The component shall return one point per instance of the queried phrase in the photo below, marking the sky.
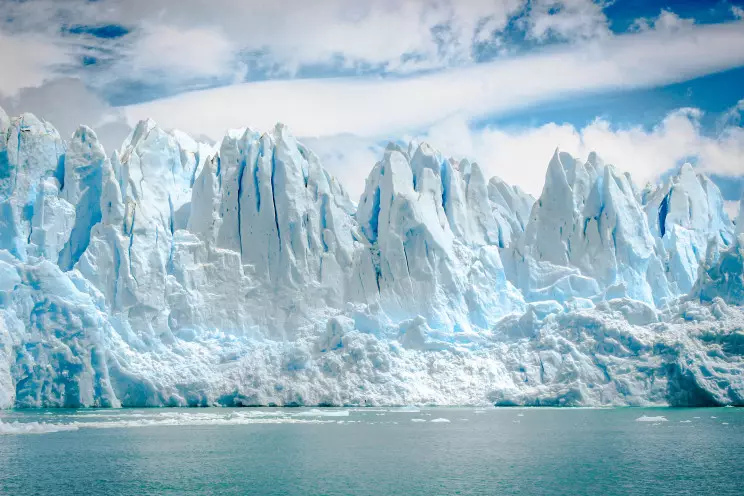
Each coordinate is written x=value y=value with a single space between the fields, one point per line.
x=647 y=85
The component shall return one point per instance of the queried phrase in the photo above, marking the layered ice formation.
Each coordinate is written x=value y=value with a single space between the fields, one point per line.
x=171 y=272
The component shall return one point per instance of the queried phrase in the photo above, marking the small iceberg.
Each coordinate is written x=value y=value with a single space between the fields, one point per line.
x=645 y=418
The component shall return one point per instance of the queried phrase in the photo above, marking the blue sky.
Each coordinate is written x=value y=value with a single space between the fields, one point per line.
x=646 y=84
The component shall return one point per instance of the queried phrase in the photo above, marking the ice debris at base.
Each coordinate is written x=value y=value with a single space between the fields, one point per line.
x=170 y=273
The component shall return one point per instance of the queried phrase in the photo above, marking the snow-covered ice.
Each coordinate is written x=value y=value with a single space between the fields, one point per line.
x=170 y=272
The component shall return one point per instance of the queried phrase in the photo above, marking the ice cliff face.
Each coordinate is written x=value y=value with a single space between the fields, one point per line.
x=176 y=273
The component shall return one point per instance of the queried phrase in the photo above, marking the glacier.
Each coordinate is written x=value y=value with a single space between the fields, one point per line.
x=177 y=273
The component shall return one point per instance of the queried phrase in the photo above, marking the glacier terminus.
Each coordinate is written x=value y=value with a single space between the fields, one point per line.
x=176 y=273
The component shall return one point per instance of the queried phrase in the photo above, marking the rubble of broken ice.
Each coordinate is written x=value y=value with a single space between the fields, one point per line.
x=176 y=273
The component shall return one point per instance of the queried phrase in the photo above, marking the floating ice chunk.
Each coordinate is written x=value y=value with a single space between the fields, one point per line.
x=440 y=421
x=33 y=428
x=659 y=418
x=405 y=409
x=323 y=413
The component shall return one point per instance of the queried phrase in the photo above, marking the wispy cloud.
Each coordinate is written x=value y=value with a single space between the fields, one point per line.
x=374 y=106
x=193 y=39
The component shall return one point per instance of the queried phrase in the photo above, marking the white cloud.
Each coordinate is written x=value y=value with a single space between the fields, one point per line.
x=566 y=19
x=737 y=11
x=376 y=32
x=732 y=117
x=521 y=156
x=191 y=52
x=67 y=103
x=209 y=37
x=374 y=106
x=665 y=21
x=27 y=61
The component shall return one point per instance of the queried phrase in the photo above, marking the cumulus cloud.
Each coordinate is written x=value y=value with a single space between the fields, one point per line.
x=665 y=21
x=566 y=19
x=521 y=155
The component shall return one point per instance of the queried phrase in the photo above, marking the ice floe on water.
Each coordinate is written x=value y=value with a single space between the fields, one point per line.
x=33 y=428
x=172 y=419
x=658 y=418
x=440 y=421
x=405 y=409
x=323 y=413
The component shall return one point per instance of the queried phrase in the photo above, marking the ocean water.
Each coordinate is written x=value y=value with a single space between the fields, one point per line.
x=372 y=451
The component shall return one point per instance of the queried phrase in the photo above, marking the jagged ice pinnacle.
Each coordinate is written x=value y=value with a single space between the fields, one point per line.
x=172 y=272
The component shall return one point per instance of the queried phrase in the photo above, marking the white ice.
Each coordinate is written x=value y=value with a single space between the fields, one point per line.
x=172 y=273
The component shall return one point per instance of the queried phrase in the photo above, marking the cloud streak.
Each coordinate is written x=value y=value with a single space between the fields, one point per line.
x=376 y=106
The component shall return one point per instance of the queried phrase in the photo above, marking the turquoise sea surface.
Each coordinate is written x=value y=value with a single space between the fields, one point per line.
x=372 y=451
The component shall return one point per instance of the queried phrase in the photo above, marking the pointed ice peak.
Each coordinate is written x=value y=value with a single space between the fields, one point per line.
x=394 y=147
x=555 y=177
x=185 y=140
x=740 y=218
x=425 y=157
x=282 y=135
x=4 y=122
x=236 y=133
x=425 y=149
x=85 y=134
x=281 y=130
x=140 y=131
x=594 y=159
x=464 y=167
x=29 y=123
x=621 y=180
x=686 y=172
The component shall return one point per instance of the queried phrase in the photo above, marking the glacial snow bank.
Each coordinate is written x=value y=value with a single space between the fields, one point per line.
x=175 y=274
